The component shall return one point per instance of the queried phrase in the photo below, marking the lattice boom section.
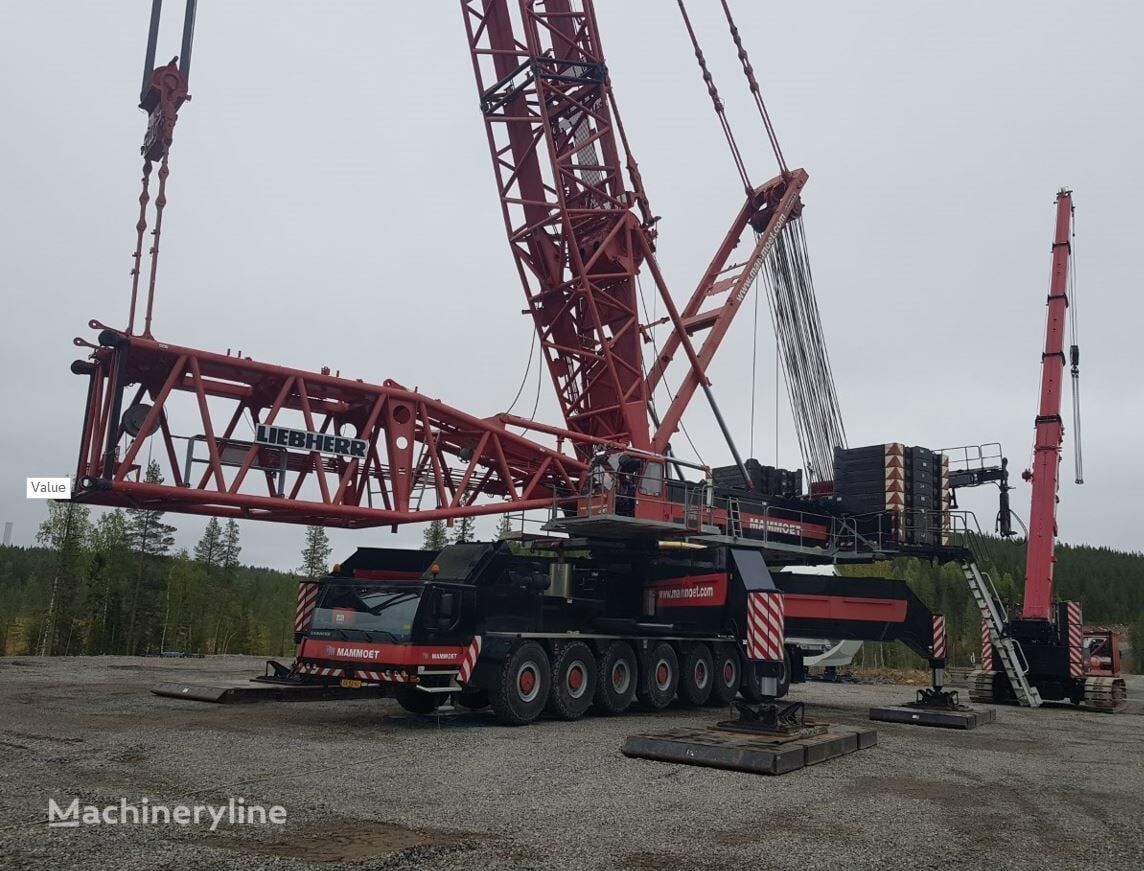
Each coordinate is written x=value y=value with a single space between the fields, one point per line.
x=236 y=437
x=558 y=162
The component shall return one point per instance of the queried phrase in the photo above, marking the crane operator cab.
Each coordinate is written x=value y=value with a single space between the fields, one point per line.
x=622 y=484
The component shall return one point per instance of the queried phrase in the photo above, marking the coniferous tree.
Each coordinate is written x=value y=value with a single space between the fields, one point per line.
x=253 y=610
x=209 y=550
x=316 y=553
x=151 y=538
x=215 y=610
x=504 y=528
x=230 y=549
x=111 y=567
x=1136 y=642
x=464 y=530
x=506 y=532
x=67 y=531
x=225 y=605
x=435 y=536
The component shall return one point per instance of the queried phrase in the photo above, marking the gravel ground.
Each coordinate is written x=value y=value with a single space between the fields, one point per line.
x=366 y=786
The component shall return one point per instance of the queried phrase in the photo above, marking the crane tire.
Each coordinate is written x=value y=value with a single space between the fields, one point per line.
x=660 y=678
x=574 y=675
x=616 y=678
x=522 y=687
x=696 y=675
x=727 y=671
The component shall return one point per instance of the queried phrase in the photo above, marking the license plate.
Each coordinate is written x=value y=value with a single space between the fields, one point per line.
x=351 y=684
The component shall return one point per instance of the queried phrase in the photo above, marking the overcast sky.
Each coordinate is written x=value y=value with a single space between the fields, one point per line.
x=332 y=203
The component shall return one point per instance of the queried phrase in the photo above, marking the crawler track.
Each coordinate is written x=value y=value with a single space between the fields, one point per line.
x=982 y=687
x=1108 y=695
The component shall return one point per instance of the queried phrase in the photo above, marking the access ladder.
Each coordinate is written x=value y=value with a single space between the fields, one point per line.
x=1007 y=649
x=734 y=518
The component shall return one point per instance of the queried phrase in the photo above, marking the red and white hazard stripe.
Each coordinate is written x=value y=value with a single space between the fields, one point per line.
x=470 y=660
x=320 y=671
x=307 y=599
x=371 y=676
x=986 y=648
x=765 y=626
x=938 y=637
x=1076 y=640
x=382 y=676
x=304 y=610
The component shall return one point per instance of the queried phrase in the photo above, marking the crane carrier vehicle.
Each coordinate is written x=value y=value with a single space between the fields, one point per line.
x=563 y=624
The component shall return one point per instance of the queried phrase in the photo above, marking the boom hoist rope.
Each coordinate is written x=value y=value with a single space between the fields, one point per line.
x=789 y=285
x=753 y=83
x=717 y=102
x=1074 y=357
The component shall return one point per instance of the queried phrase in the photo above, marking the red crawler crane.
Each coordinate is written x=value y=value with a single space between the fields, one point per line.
x=1061 y=660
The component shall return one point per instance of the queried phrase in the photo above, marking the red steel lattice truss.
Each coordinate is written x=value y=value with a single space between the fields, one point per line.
x=424 y=460
x=579 y=236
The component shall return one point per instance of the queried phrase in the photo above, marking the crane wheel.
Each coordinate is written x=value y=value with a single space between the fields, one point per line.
x=696 y=675
x=416 y=701
x=727 y=671
x=616 y=678
x=574 y=676
x=660 y=678
x=522 y=688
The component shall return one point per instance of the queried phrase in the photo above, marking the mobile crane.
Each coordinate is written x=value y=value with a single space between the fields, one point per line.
x=647 y=584
x=1059 y=659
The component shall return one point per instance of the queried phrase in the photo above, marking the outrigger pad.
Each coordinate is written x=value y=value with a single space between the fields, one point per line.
x=739 y=751
x=246 y=692
x=963 y=718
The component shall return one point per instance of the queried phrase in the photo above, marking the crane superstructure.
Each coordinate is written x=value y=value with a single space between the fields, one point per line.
x=243 y=438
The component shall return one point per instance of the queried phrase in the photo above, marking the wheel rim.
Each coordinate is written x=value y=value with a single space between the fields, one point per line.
x=662 y=675
x=700 y=675
x=576 y=683
x=528 y=681
x=621 y=677
x=728 y=673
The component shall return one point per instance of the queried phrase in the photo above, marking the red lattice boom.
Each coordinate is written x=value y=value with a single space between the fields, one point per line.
x=196 y=413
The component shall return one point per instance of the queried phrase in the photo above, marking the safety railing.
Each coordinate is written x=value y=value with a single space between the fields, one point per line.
x=696 y=509
x=967 y=533
x=237 y=453
x=969 y=458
